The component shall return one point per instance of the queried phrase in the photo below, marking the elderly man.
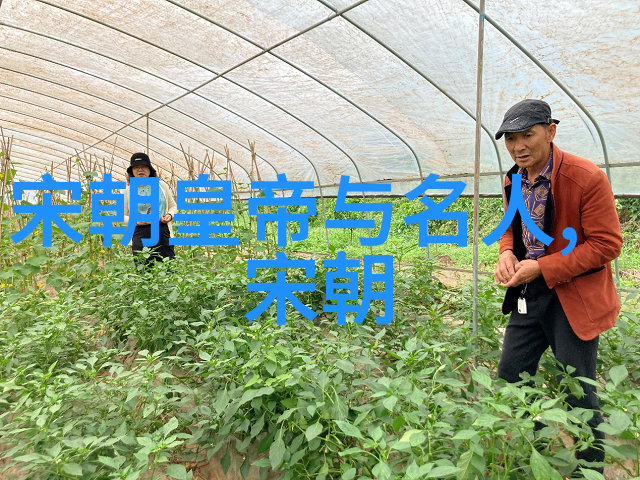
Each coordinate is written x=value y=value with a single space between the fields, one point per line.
x=563 y=302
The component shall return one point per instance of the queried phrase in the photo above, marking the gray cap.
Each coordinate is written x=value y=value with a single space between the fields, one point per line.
x=524 y=115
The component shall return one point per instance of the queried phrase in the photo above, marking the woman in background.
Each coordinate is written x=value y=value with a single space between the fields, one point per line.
x=141 y=167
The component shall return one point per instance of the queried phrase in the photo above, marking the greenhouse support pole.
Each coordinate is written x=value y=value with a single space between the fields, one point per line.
x=147 y=134
x=569 y=94
x=476 y=180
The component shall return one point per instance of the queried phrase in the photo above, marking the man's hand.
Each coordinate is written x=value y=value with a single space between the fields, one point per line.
x=526 y=271
x=167 y=218
x=505 y=269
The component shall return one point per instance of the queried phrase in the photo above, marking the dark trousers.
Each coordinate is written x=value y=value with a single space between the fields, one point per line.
x=160 y=250
x=545 y=324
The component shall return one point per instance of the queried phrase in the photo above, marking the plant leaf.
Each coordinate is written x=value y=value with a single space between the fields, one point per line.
x=465 y=435
x=442 y=471
x=618 y=374
x=541 y=468
x=619 y=420
x=276 y=452
x=381 y=470
x=464 y=464
x=407 y=436
x=225 y=462
x=398 y=423
x=591 y=474
x=346 y=366
x=349 y=474
x=245 y=468
x=555 y=414
x=348 y=429
x=177 y=471
x=170 y=426
x=482 y=378
x=72 y=469
x=390 y=402
x=266 y=442
x=313 y=431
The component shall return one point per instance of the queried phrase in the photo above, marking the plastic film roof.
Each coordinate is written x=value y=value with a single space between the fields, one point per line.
x=381 y=90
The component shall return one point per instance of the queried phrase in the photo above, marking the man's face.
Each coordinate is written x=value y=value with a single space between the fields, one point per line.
x=141 y=171
x=530 y=149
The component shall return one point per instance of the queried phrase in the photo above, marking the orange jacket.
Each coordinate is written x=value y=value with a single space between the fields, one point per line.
x=581 y=198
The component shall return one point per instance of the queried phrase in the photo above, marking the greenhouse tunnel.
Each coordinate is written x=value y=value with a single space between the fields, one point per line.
x=378 y=90
x=382 y=91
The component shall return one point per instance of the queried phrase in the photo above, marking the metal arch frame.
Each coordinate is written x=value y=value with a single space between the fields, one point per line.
x=557 y=81
x=32 y=149
x=32 y=166
x=48 y=121
x=269 y=133
x=341 y=13
x=259 y=127
x=54 y=62
x=57 y=99
x=67 y=87
x=53 y=123
x=134 y=91
x=415 y=156
x=323 y=136
x=304 y=72
x=114 y=103
x=154 y=75
x=52 y=110
x=33 y=156
x=333 y=9
x=22 y=140
x=202 y=143
x=207 y=99
x=134 y=141
x=73 y=130
x=31 y=135
x=216 y=75
x=300 y=121
x=99 y=54
x=140 y=69
x=124 y=136
x=42 y=79
x=131 y=125
x=427 y=78
x=476 y=176
x=64 y=101
x=28 y=175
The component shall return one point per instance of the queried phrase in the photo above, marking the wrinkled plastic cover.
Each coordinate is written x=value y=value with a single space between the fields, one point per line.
x=384 y=91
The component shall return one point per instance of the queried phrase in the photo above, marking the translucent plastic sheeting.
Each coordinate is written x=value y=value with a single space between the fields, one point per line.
x=81 y=76
x=380 y=90
x=625 y=179
x=276 y=123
